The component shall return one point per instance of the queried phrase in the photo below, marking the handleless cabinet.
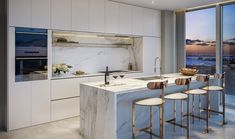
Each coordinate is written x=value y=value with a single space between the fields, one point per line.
x=125 y=19
x=137 y=20
x=111 y=17
x=96 y=15
x=61 y=14
x=80 y=15
x=151 y=50
x=64 y=88
x=152 y=23
x=41 y=102
x=19 y=105
x=41 y=13
x=20 y=13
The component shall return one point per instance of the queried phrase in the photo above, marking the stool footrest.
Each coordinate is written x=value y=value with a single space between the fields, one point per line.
x=172 y=121
x=146 y=130
x=213 y=111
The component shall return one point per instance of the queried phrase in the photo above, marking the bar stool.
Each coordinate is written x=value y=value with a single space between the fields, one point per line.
x=199 y=93
x=182 y=97
x=219 y=89
x=151 y=102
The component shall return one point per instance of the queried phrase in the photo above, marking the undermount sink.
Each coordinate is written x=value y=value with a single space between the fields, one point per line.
x=151 y=78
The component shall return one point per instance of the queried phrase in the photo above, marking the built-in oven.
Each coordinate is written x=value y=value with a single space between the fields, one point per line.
x=30 y=54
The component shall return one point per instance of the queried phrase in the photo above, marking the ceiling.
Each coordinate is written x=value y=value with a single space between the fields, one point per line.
x=169 y=4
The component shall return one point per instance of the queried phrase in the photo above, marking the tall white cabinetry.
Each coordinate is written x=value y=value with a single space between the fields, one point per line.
x=61 y=14
x=151 y=50
x=137 y=21
x=41 y=17
x=111 y=17
x=96 y=15
x=20 y=13
x=125 y=19
x=80 y=15
x=28 y=102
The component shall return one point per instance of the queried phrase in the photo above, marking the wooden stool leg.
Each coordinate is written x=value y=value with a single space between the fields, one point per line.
x=193 y=109
x=150 y=120
x=133 y=121
x=188 y=119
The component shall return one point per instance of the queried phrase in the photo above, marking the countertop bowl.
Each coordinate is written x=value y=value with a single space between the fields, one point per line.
x=188 y=71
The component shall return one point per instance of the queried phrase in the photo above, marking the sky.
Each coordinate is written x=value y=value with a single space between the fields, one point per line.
x=201 y=25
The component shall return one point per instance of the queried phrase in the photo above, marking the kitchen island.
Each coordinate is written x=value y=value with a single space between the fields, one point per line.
x=106 y=109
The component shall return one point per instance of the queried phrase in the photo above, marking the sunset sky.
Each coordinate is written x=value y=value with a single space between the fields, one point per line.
x=201 y=24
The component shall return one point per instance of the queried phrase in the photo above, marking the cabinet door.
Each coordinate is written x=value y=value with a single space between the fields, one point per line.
x=80 y=16
x=65 y=108
x=20 y=13
x=137 y=21
x=41 y=13
x=19 y=105
x=152 y=22
x=111 y=17
x=151 y=50
x=125 y=19
x=64 y=88
x=61 y=14
x=96 y=16
x=79 y=81
x=41 y=103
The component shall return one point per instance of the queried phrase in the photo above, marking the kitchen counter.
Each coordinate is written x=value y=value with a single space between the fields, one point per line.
x=106 y=109
x=69 y=75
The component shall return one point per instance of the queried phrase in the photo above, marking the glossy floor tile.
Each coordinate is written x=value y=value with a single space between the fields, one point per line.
x=69 y=129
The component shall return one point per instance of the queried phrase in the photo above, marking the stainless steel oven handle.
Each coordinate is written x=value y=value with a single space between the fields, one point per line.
x=29 y=58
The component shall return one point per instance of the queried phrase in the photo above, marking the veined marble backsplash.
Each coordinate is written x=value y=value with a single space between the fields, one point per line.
x=95 y=59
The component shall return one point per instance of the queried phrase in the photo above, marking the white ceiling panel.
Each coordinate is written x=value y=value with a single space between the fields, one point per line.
x=169 y=4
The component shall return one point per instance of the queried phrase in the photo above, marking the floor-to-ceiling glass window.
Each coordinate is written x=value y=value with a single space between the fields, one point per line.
x=228 y=13
x=200 y=40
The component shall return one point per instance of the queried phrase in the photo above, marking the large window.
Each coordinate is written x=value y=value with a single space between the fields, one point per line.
x=229 y=47
x=200 y=40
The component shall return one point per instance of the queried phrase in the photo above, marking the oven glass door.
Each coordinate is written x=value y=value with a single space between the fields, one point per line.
x=30 y=54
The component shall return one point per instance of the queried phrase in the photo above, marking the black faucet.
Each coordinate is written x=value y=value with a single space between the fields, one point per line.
x=106 y=76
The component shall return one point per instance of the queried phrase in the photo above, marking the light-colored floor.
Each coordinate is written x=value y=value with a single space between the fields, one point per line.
x=69 y=129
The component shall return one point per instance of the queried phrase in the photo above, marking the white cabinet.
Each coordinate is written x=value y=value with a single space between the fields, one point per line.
x=137 y=21
x=61 y=14
x=20 y=13
x=80 y=15
x=65 y=108
x=19 y=101
x=151 y=50
x=41 y=13
x=41 y=102
x=96 y=16
x=125 y=19
x=152 y=23
x=111 y=17
x=64 y=88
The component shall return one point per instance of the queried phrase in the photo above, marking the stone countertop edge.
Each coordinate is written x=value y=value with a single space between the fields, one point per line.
x=70 y=76
x=131 y=88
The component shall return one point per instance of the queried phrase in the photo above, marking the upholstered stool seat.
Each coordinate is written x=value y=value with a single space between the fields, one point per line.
x=150 y=102
x=213 y=88
x=176 y=96
x=196 y=92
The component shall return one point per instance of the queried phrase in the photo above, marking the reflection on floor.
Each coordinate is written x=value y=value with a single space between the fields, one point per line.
x=69 y=129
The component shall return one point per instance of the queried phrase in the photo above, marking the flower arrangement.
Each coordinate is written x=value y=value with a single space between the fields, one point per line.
x=58 y=68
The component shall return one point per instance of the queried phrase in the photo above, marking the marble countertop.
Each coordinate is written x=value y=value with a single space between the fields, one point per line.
x=68 y=76
x=131 y=84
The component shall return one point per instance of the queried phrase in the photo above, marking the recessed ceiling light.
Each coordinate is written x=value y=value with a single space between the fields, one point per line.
x=153 y=1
